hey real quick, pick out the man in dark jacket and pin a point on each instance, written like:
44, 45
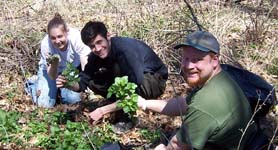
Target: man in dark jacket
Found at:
114, 57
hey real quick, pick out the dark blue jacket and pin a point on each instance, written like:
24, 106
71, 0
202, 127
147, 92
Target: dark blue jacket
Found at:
128, 57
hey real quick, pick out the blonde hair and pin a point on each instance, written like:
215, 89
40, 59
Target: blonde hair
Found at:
56, 21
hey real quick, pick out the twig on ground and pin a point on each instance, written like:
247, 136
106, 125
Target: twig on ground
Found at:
194, 18
86, 133
273, 137
251, 121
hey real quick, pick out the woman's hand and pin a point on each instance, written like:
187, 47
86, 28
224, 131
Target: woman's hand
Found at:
60, 81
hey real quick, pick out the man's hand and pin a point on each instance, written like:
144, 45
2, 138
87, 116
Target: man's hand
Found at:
96, 114
160, 147
141, 102
60, 81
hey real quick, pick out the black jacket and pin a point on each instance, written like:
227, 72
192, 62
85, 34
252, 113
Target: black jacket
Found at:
128, 57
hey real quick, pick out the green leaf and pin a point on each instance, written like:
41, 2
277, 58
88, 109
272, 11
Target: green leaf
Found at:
71, 73
126, 109
54, 129
125, 93
109, 95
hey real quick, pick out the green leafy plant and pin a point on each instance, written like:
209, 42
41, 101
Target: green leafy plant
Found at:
150, 136
273, 67
72, 135
103, 134
125, 93
50, 130
53, 131
12, 93
9, 126
71, 74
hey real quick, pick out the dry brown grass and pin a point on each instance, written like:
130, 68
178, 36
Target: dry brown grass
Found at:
243, 32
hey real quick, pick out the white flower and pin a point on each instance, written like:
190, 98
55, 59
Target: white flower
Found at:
71, 73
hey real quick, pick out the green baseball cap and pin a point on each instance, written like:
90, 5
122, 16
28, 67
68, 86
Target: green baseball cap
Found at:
201, 40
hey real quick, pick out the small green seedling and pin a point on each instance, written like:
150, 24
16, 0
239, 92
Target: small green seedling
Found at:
150, 135
71, 74
103, 134
125, 93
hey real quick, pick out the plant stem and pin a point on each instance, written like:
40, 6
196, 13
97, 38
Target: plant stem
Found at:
5, 132
86, 133
272, 138
250, 122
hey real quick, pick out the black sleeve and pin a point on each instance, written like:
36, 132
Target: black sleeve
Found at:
97, 75
85, 76
84, 81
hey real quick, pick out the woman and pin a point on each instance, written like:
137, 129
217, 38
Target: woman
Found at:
65, 42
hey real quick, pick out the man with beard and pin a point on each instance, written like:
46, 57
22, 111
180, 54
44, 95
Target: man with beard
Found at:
216, 112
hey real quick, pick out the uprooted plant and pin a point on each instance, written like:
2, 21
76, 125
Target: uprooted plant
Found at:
71, 73
125, 93
53, 58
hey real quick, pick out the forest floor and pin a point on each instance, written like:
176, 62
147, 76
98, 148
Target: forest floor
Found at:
148, 130
247, 31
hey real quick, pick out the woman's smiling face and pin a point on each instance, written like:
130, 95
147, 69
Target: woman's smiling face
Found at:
58, 37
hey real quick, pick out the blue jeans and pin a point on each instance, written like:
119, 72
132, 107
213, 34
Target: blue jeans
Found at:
44, 91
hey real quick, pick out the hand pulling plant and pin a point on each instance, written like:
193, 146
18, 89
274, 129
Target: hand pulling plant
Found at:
125, 93
71, 74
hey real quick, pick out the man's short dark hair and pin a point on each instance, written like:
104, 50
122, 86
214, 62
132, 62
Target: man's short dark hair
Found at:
91, 30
